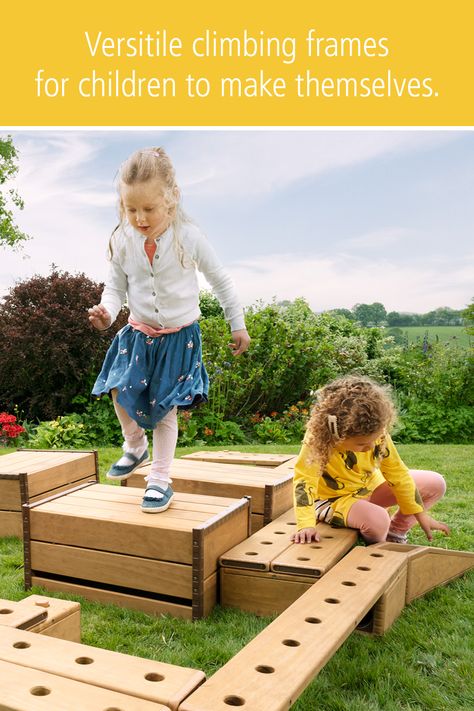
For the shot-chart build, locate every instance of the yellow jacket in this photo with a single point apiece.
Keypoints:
(348, 476)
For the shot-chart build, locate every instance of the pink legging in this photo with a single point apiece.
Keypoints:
(165, 436)
(373, 520)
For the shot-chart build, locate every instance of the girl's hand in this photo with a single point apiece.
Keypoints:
(305, 535)
(429, 524)
(241, 341)
(99, 317)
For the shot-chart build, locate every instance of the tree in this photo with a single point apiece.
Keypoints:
(342, 312)
(10, 234)
(370, 314)
(468, 315)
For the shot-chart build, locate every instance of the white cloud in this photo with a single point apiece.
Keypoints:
(343, 281)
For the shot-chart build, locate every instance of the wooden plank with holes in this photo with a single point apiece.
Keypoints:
(233, 457)
(26, 475)
(274, 668)
(141, 678)
(316, 558)
(98, 539)
(270, 491)
(14, 614)
(25, 689)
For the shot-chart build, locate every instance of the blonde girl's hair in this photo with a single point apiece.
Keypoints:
(153, 164)
(350, 406)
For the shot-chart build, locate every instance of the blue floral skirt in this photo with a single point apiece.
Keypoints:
(153, 375)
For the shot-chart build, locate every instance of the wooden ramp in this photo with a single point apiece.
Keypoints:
(141, 678)
(259, 459)
(270, 490)
(267, 572)
(44, 615)
(24, 689)
(273, 669)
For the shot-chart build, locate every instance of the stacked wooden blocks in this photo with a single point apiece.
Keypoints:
(29, 475)
(269, 488)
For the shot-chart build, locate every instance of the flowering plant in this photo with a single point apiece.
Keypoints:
(9, 429)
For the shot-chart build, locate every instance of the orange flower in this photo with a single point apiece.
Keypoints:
(273, 414)
(208, 432)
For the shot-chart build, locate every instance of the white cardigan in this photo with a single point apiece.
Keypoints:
(166, 294)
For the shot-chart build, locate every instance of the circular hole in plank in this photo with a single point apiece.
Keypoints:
(234, 701)
(4, 611)
(315, 546)
(349, 583)
(40, 691)
(313, 620)
(251, 553)
(263, 669)
(266, 543)
(22, 645)
(302, 558)
(327, 536)
(113, 708)
(291, 643)
(279, 533)
(291, 523)
(332, 600)
(153, 676)
(362, 567)
(376, 555)
(84, 660)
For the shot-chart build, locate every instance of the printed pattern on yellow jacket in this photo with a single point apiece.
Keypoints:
(347, 477)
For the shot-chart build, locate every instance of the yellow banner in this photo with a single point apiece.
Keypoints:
(253, 63)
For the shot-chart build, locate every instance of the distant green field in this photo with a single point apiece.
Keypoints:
(451, 334)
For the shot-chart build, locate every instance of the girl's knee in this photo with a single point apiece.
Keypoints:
(373, 524)
(431, 485)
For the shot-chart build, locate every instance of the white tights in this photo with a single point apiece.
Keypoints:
(165, 436)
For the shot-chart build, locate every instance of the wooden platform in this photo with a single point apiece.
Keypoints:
(28, 475)
(259, 459)
(43, 615)
(96, 542)
(270, 490)
(267, 572)
(144, 679)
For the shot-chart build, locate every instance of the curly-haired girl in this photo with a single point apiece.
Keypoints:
(349, 472)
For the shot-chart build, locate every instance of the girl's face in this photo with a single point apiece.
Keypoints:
(360, 443)
(145, 207)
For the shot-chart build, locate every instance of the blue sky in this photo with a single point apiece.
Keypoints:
(338, 217)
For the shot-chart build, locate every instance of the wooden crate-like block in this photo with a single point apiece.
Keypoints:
(96, 542)
(270, 490)
(230, 457)
(43, 615)
(274, 668)
(25, 689)
(29, 475)
(141, 678)
(267, 572)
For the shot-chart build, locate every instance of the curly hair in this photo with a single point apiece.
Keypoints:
(350, 406)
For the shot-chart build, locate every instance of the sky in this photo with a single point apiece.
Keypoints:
(338, 217)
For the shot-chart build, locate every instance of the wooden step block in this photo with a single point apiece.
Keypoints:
(278, 571)
(288, 466)
(274, 668)
(141, 678)
(25, 689)
(430, 567)
(13, 614)
(63, 617)
(29, 475)
(98, 539)
(230, 457)
(270, 491)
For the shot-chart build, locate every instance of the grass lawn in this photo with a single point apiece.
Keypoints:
(424, 662)
(446, 334)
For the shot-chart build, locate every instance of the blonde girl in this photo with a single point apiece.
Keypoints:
(349, 472)
(154, 364)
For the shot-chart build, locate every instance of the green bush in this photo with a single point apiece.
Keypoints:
(429, 422)
(68, 432)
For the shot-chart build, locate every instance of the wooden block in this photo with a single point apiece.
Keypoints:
(316, 558)
(430, 567)
(26, 689)
(29, 475)
(288, 466)
(388, 608)
(133, 676)
(97, 538)
(275, 667)
(43, 615)
(231, 457)
(260, 593)
(271, 491)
